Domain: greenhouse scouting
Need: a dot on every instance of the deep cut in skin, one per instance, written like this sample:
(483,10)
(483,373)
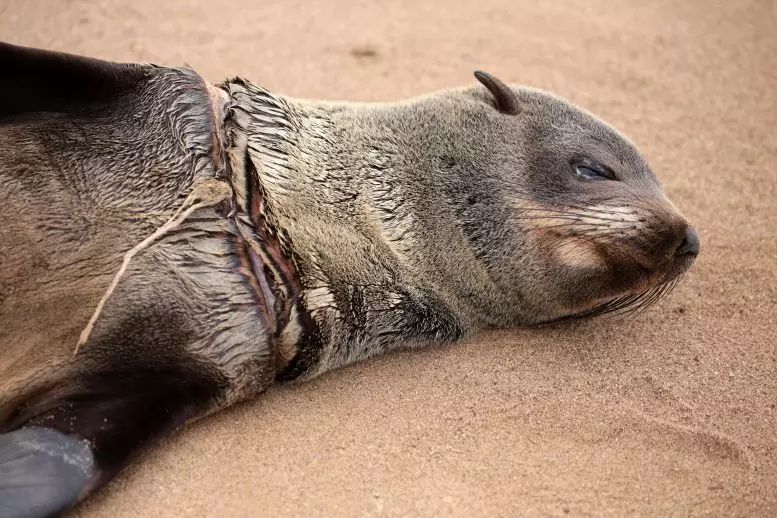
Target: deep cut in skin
(340,231)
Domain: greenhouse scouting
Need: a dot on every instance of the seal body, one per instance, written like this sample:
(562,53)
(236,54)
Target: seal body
(346,230)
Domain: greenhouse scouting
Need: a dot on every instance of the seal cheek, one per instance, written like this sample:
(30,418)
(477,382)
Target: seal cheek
(576,253)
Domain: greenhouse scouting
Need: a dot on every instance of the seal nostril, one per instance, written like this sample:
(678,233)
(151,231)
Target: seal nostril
(690,244)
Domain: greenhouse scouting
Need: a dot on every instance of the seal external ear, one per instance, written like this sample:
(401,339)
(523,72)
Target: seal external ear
(506,100)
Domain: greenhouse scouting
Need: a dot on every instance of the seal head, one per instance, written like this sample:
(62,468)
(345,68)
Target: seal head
(589,228)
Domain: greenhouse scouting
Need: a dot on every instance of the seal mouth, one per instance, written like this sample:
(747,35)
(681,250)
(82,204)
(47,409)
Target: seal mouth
(636,282)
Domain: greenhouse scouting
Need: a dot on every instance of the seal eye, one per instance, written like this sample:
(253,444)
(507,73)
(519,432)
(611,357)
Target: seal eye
(591,172)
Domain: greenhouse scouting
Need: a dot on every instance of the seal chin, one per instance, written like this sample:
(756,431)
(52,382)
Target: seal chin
(633,301)
(633,288)
(652,274)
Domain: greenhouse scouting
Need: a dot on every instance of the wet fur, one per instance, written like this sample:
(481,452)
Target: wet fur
(82,184)
(380,226)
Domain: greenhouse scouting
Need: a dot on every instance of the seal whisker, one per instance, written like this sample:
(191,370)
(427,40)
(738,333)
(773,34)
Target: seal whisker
(625,306)
(574,222)
(560,215)
(560,212)
(563,201)
(654,295)
(594,229)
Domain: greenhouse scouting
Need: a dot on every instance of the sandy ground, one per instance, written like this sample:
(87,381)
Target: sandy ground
(669,413)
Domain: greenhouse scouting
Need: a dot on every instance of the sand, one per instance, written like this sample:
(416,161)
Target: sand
(669,413)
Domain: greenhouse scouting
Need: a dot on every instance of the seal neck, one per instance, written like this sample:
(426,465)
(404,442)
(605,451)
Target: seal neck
(267,251)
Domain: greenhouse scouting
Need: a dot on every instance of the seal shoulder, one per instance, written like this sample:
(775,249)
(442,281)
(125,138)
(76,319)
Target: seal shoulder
(26,83)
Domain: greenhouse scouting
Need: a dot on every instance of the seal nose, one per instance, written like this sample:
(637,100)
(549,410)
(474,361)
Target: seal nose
(690,244)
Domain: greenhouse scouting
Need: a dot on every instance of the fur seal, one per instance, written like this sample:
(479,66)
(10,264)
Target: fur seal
(201,242)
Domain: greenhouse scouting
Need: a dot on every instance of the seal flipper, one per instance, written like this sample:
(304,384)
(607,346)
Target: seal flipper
(41,472)
(76,436)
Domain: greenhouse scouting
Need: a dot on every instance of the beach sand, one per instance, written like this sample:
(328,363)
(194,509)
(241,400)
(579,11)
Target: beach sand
(671,412)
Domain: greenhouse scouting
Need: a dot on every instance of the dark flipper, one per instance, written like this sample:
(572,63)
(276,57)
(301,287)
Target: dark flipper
(75,437)
(41,472)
